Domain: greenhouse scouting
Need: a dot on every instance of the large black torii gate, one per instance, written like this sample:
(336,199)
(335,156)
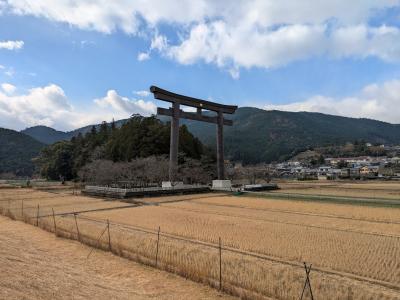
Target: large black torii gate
(176,113)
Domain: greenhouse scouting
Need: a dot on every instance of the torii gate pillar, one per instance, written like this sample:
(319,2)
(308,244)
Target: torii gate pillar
(220,146)
(174,142)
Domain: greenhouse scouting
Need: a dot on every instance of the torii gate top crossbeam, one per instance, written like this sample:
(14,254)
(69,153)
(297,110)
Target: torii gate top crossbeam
(189,101)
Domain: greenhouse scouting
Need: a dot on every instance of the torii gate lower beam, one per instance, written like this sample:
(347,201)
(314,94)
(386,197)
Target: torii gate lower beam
(175,113)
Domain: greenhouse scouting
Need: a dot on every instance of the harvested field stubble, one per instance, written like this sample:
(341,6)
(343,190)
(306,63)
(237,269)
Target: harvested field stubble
(36,265)
(367,213)
(350,252)
(383,228)
(243,275)
(379,190)
(261,257)
(60,203)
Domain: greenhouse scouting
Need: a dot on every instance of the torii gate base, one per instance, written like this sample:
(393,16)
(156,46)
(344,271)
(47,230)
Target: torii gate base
(175,113)
(221,184)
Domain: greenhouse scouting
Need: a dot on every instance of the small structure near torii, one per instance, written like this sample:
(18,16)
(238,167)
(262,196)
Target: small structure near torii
(176,113)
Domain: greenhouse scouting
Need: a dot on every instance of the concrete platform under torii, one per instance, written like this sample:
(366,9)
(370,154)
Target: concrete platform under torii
(176,113)
(119,193)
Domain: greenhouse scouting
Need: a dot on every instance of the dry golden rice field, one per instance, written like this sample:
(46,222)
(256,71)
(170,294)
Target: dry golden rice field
(358,189)
(37,265)
(354,249)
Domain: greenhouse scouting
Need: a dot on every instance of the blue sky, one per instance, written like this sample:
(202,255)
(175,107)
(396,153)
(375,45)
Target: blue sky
(66,64)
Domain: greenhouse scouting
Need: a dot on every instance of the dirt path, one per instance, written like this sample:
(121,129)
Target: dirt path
(35,264)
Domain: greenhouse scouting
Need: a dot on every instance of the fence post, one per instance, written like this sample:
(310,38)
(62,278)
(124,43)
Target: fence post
(158,242)
(220,264)
(75,190)
(109,236)
(77,228)
(98,240)
(54,220)
(37,216)
(307,282)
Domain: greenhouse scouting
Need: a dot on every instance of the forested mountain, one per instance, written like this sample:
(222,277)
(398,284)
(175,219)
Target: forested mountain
(17,151)
(48,135)
(263,136)
(139,137)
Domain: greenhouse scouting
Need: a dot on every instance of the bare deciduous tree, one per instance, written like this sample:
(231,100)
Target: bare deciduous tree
(142,172)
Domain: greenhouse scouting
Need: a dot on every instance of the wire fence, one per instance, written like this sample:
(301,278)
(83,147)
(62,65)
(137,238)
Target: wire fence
(245,274)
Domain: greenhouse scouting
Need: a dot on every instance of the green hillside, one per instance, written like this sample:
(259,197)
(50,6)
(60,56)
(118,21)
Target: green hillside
(46,135)
(259,135)
(17,151)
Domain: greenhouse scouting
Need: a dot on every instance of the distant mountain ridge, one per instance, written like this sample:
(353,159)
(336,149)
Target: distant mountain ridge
(48,135)
(262,136)
(17,151)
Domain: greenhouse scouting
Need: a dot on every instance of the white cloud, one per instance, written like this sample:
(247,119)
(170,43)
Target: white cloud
(104,16)
(126,105)
(234,71)
(143,93)
(42,105)
(11,45)
(375,101)
(216,43)
(159,42)
(108,16)
(142,56)
(362,41)
(85,43)
(235,34)
(50,106)
(248,47)
(8,88)
(2,67)
(9,72)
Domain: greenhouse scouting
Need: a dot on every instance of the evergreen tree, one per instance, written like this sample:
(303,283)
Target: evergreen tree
(104,131)
(57,161)
(113,127)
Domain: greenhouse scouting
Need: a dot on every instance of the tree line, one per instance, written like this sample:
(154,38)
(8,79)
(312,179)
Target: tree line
(140,137)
